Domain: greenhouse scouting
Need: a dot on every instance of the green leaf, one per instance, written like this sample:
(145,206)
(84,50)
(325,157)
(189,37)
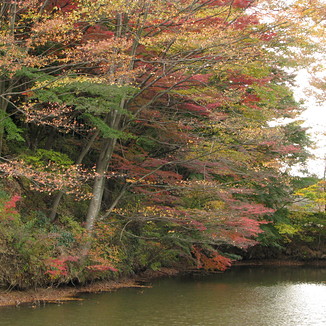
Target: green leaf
(107,131)
(13,132)
(43,156)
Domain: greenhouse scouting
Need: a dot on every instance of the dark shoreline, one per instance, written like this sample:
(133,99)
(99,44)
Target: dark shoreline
(40,296)
(281,262)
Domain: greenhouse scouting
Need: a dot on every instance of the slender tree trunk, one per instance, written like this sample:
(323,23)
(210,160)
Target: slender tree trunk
(58,197)
(99,183)
(4,89)
(98,190)
(108,149)
(55,206)
(3,109)
(7,10)
(95,204)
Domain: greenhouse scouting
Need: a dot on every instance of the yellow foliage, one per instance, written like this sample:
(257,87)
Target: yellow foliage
(215,205)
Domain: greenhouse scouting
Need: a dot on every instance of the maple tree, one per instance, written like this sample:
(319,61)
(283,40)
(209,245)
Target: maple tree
(156,114)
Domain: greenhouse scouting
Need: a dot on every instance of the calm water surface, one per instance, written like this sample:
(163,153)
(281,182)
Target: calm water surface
(244,296)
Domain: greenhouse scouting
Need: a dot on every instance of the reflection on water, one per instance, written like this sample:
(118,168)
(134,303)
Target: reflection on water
(245,296)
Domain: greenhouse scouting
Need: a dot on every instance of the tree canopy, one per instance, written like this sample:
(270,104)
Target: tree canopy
(138,132)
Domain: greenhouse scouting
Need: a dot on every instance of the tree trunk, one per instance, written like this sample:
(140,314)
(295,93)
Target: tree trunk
(3,109)
(95,204)
(114,121)
(7,10)
(99,183)
(58,197)
(55,205)
(98,189)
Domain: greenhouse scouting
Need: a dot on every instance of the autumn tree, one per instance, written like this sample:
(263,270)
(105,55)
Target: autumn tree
(165,102)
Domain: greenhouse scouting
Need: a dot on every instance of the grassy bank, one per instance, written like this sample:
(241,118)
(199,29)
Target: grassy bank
(40,296)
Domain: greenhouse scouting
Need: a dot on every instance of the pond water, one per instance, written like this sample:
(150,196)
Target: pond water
(244,296)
